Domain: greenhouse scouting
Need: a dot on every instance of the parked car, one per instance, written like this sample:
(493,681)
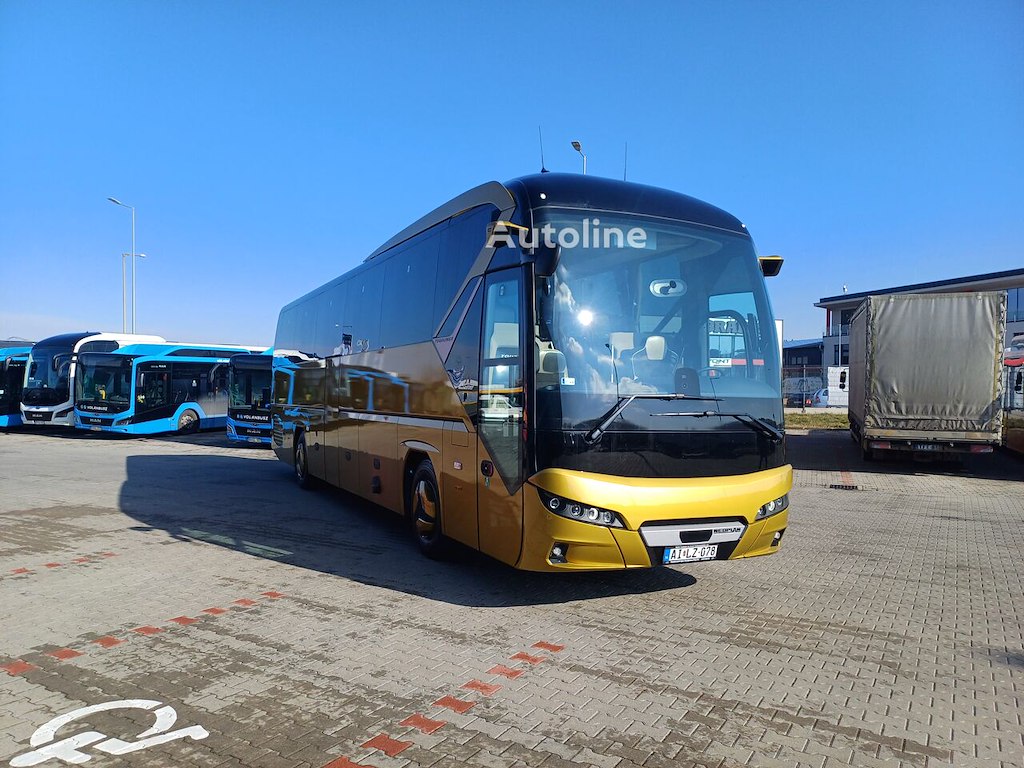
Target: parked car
(799,400)
(820,398)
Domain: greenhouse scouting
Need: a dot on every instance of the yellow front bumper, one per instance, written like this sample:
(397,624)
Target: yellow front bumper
(640,501)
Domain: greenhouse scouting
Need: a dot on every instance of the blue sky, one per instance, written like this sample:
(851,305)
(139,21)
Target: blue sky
(269,147)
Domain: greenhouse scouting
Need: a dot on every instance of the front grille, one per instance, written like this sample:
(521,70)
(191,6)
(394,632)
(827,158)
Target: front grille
(39,416)
(251,431)
(95,421)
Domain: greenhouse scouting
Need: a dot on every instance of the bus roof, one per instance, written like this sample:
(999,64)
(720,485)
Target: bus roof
(571,190)
(65,339)
(7,353)
(177,350)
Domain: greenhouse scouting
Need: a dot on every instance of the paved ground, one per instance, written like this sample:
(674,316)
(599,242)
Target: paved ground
(287,628)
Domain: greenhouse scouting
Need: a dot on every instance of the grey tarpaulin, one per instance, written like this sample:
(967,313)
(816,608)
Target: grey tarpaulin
(928,362)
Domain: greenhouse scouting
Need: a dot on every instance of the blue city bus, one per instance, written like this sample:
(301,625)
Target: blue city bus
(249,385)
(144,389)
(12,378)
(48,394)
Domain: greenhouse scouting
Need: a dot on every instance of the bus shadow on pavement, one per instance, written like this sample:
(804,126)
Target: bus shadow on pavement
(252,505)
(833,449)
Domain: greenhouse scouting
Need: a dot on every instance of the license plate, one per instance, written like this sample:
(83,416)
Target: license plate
(254,439)
(96,429)
(690,554)
(925,447)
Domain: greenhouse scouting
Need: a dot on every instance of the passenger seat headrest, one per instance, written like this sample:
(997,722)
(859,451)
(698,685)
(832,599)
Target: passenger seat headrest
(655,348)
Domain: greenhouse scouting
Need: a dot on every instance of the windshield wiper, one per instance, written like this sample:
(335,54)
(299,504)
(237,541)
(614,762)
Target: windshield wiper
(595,434)
(753,422)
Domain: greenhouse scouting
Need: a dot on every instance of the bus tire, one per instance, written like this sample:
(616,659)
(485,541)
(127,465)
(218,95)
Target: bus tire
(188,422)
(425,500)
(302,476)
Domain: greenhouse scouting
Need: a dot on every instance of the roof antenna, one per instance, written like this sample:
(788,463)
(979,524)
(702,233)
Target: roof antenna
(541,137)
(625,158)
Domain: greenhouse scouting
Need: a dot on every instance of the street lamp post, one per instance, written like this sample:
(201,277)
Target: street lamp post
(124,296)
(579,148)
(115,201)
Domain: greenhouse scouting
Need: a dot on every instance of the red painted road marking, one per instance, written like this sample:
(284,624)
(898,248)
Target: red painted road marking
(549,647)
(147,630)
(214,611)
(485,688)
(17,667)
(455,705)
(423,724)
(504,671)
(108,641)
(387,745)
(183,620)
(64,654)
(81,560)
(527,658)
(272,595)
(107,554)
(52,565)
(246,602)
(343,762)
(21,570)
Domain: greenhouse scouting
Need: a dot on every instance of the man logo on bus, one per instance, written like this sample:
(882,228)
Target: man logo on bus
(593,235)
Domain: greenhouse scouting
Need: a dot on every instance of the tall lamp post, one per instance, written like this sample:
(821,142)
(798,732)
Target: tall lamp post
(115,201)
(579,148)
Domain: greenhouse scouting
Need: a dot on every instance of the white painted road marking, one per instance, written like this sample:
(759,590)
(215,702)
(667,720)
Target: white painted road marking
(68,749)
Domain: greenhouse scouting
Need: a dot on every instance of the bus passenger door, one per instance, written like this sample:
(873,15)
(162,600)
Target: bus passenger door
(500,418)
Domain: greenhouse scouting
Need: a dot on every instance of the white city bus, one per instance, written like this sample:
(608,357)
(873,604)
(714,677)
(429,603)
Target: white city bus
(48,397)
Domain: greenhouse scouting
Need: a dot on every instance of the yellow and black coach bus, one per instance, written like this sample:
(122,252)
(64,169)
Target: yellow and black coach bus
(564,372)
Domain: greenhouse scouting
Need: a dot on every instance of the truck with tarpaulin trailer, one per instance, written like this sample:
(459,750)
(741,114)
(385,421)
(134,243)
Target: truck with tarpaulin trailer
(925,375)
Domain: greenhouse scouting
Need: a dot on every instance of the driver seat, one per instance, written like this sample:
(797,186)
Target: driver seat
(654,364)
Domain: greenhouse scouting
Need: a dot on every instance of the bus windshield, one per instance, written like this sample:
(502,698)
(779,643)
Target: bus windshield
(104,379)
(47,376)
(250,388)
(649,307)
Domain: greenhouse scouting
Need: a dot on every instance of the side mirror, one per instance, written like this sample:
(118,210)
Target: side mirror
(546,261)
(842,379)
(770,265)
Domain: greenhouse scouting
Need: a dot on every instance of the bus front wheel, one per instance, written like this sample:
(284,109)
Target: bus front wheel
(188,422)
(302,463)
(426,511)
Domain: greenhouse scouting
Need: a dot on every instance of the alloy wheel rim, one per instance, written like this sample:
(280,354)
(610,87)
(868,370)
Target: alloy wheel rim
(426,512)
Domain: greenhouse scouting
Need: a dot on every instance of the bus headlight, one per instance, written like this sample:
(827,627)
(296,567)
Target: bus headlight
(773,507)
(583,513)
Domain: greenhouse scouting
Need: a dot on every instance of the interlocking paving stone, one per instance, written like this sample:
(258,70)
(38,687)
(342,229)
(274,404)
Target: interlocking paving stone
(886,632)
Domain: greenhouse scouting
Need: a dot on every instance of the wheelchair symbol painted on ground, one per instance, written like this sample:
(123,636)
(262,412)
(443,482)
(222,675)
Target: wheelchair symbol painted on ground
(69,749)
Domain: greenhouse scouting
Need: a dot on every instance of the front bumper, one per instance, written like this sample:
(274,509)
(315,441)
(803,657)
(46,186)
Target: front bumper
(659,506)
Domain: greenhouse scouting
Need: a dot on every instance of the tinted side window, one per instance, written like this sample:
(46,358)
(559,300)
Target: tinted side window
(330,313)
(410,273)
(284,337)
(462,242)
(463,362)
(363,308)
